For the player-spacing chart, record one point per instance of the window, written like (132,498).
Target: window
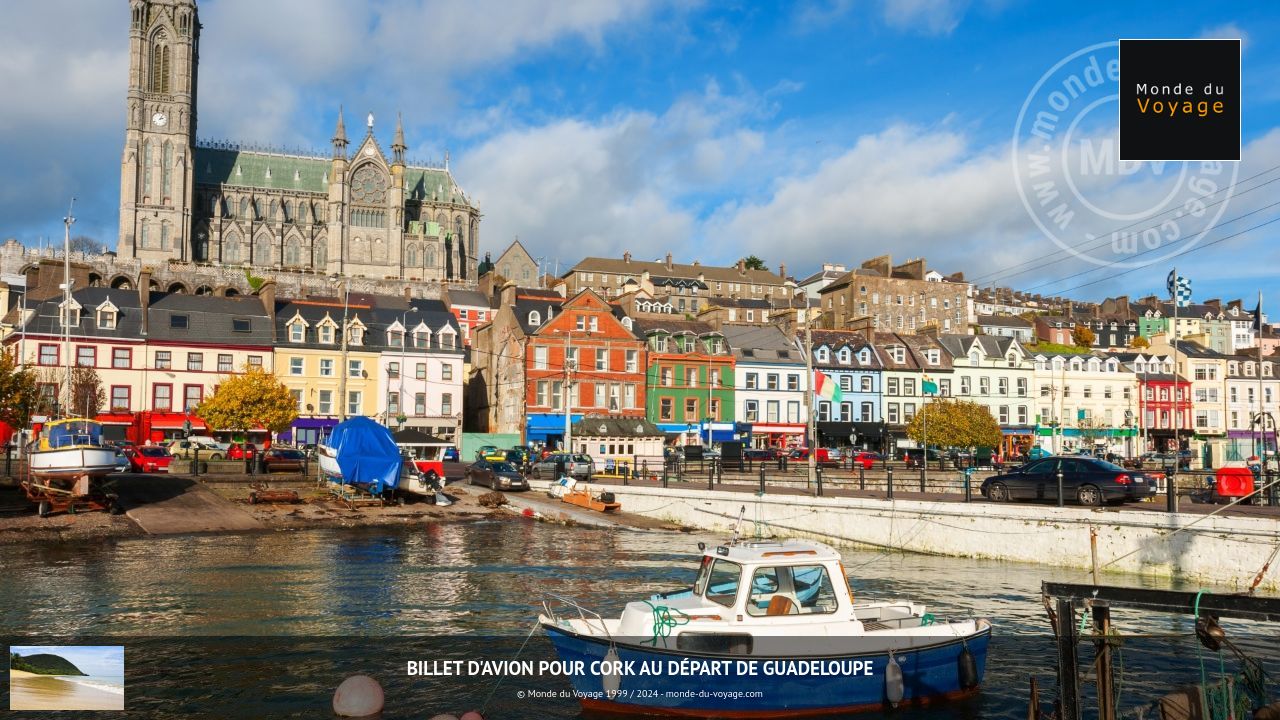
(540,358)
(119,397)
(944,387)
(908,412)
(540,394)
(1022,414)
(163,360)
(298,332)
(1002,386)
(1004,415)
(420,404)
(793,381)
(752,410)
(353,402)
(355,368)
(241,325)
(178,322)
(668,376)
(195,362)
(864,385)
(629,395)
(122,358)
(691,377)
(191,396)
(106,319)
(581,321)
(326,366)
(908,386)
(771,381)
(893,386)
(846,383)
(395,338)
(767,585)
(1022,387)
(162,397)
(753,381)
(1088,391)
(691,408)
(393,369)
(48,355)
(984,386)
(297,400)
(326,402)
(713,405)
(793,411)
(326,335)
(964,385)
(666,408)
(633,361)
(602,358)
(867,412)
(87,356)
(892,414)
(446,372)
(393,403)
(225,363)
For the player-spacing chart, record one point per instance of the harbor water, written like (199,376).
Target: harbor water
(266,625)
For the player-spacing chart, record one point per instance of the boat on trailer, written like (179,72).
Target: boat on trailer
(72,449)
(769,629)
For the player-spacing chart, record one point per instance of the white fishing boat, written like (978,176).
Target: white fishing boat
(328,459)
(72,449)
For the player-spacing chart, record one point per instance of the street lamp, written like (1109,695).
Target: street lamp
(343,370)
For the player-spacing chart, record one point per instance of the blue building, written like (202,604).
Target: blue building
(852,362)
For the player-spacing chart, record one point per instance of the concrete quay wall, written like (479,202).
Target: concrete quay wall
(1226,551)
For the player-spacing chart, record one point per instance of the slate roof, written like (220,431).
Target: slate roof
(913,358)
(764,344)
(466,298)
(376,320)
(216,166)
(655,323)
(614,426)
(209,319)
(1196,350)
(837,339)
(547,303)
(44,319)
(1011,321)
(748,303)
(992,346)
(678,270)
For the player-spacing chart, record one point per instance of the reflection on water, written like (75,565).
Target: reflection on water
(371,598)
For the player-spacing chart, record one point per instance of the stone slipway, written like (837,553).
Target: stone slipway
(556,511)
(174,505)
(1224,550)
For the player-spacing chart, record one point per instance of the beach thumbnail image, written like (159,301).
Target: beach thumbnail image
(66,677)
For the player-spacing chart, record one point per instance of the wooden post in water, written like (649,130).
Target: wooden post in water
(1068,679)
(1106,682)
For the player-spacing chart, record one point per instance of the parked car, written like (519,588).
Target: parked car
(1086,480)
(578,466)
(122,461)
(491,452)
(913,456)
(518,456)
(208,443)
(1038,453)
(149,459)
(450,454)
(866,459)
(825,457)
(187,449)
(241,451)
(496,475)
(280,459)
(760,454)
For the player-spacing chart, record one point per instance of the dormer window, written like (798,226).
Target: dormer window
(326,333)
(931,356)
(626,323)
(355,336)
(535,319)
(864,357)
(975,357)
(823,355)
(898,353)
(845,356)
(297,332)
(106,319)
(179,322)
(448,339)
(421,338)
(395,337)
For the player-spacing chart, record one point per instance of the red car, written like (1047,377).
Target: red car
(240,451)
(825,457)
(866,459)
(148,459)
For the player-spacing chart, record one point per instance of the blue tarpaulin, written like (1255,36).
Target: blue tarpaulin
(367,454)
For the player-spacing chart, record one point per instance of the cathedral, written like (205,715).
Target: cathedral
(356,212)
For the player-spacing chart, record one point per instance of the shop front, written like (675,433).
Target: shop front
(308,431)
(777,435)
(546,428)
(1016,441)
(861,435)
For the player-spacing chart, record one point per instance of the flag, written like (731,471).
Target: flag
(1257,317)
(1179,288)
(827,388)
(928,387)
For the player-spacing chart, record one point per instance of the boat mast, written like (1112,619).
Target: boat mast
(66,304)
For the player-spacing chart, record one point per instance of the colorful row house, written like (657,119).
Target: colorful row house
(690,381)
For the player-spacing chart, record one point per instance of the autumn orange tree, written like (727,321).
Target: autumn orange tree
(1138,342)
(252,399)
(1082,336)
(955,423)
(18,391)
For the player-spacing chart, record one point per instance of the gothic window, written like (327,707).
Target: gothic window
(164,235)
(443,222)
(293,253)
(244,208)
(231,248)
(287,213)
(214,208)
(411,255)
(457,231)
(159,80)
(262,251)
(431,256)
(201,247)
(369,185)
(166,171)
(148,156)
(321,253)
(273,210)
(255,210)
(302,211)
(143,240)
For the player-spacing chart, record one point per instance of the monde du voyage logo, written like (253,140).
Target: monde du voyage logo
(1180,100)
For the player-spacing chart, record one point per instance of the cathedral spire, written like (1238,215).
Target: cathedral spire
(340,137)
(397,145)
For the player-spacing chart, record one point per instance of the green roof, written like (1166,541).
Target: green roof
(264,171)
(427,184)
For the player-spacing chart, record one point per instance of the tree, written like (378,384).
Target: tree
(87,396)
(751,262)
(87,245)
(19,390)
(1082,336)
(1139,342)
(252,399)
(955,423)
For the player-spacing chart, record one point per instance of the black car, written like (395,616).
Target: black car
(496,475)
(1086,480)
(760,454)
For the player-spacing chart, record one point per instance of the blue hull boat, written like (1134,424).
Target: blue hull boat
(769,630)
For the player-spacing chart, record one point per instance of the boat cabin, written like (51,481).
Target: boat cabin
(70,433)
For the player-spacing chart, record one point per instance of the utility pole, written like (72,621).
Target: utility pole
(565,393)
(66,303)
(808,396)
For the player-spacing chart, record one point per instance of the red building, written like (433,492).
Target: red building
(471,308)
(1161,414)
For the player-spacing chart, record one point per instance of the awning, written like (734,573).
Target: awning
(552,423)
(314,423)
(409,436)
(176,421)
(778,429)
(115,418)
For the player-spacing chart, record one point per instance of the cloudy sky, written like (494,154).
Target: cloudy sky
(821,130)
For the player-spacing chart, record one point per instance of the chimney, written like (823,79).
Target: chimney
(913,269)
(742,267)
(144,298)
(626,257)
(882,265)
(408,292)
(1215,303)
(508,294)
(782,270)
(267,294)
(669,265)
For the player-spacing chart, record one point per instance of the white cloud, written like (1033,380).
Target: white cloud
(1227,31)
(932,17)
